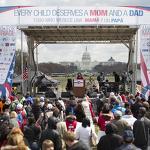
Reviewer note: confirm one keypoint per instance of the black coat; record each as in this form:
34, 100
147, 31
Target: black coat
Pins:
141, 129
36, 110
52, 135
78, 146
110, 142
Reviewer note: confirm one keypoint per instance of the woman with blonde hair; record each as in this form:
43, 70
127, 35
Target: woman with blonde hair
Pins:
16, 138
13, 119
47, 145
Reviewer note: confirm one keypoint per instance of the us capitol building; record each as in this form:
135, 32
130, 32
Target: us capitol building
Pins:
86, 63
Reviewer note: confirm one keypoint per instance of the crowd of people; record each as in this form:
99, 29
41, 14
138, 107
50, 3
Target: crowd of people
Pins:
119, 122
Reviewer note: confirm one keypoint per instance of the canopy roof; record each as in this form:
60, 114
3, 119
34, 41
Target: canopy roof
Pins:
79, 34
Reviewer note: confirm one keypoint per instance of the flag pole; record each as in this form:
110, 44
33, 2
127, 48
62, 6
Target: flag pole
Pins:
22, 81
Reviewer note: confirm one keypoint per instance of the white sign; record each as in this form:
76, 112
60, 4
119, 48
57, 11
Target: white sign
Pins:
78, 83
21, 15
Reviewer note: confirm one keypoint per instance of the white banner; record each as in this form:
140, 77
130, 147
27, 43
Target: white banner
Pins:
7, 58
145, 59
21, 15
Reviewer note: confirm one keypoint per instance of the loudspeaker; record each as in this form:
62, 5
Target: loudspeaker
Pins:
50, 94
65, 94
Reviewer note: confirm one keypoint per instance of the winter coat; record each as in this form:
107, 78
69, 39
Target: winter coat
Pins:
36, 110
109, 142
51, 134
140, 130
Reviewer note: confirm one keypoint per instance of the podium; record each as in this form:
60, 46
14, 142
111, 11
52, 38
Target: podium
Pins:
79, 88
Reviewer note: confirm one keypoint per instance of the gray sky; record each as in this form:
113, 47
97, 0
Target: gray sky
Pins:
63, 52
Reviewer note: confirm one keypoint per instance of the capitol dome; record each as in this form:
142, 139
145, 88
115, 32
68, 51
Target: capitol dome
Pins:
86, 56
86, 60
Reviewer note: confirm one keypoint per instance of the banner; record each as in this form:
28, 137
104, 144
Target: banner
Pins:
7, 58
57, 16
145, 59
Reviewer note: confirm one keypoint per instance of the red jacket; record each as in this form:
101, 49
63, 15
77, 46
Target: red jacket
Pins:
71, 125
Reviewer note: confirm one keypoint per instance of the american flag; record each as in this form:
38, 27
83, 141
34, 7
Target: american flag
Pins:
145, 61
25, 72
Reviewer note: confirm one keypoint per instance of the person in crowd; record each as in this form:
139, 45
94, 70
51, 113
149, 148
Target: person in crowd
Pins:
117, 106
111, 140
61, 106
69, 86
32, 133
80, 114
27, 106
51, 134
128, 139
62, 129
79, 76
29, 99
88, 109
16, 138
116, 77
141, 129
71, 108
120, 123
71, 123
5, 128
72, 143
84, 132
62, 103
6, 106
47, 145
99, 102
13, 119
42, 102
117, 80
101, 80
14, 104
135, 107
129, 118
36, 108
21, 116
131, 99
147, 107
1, 105
123, 97
105, 117
112, 98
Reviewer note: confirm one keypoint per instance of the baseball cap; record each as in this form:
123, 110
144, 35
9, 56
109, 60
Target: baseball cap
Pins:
118, 113
42, 99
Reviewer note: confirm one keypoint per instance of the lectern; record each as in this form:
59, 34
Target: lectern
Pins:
79, 88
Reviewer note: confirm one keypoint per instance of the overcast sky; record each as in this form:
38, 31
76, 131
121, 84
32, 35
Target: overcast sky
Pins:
63, 52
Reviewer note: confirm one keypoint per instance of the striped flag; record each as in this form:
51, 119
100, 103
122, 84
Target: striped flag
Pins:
25, 72
145, 59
